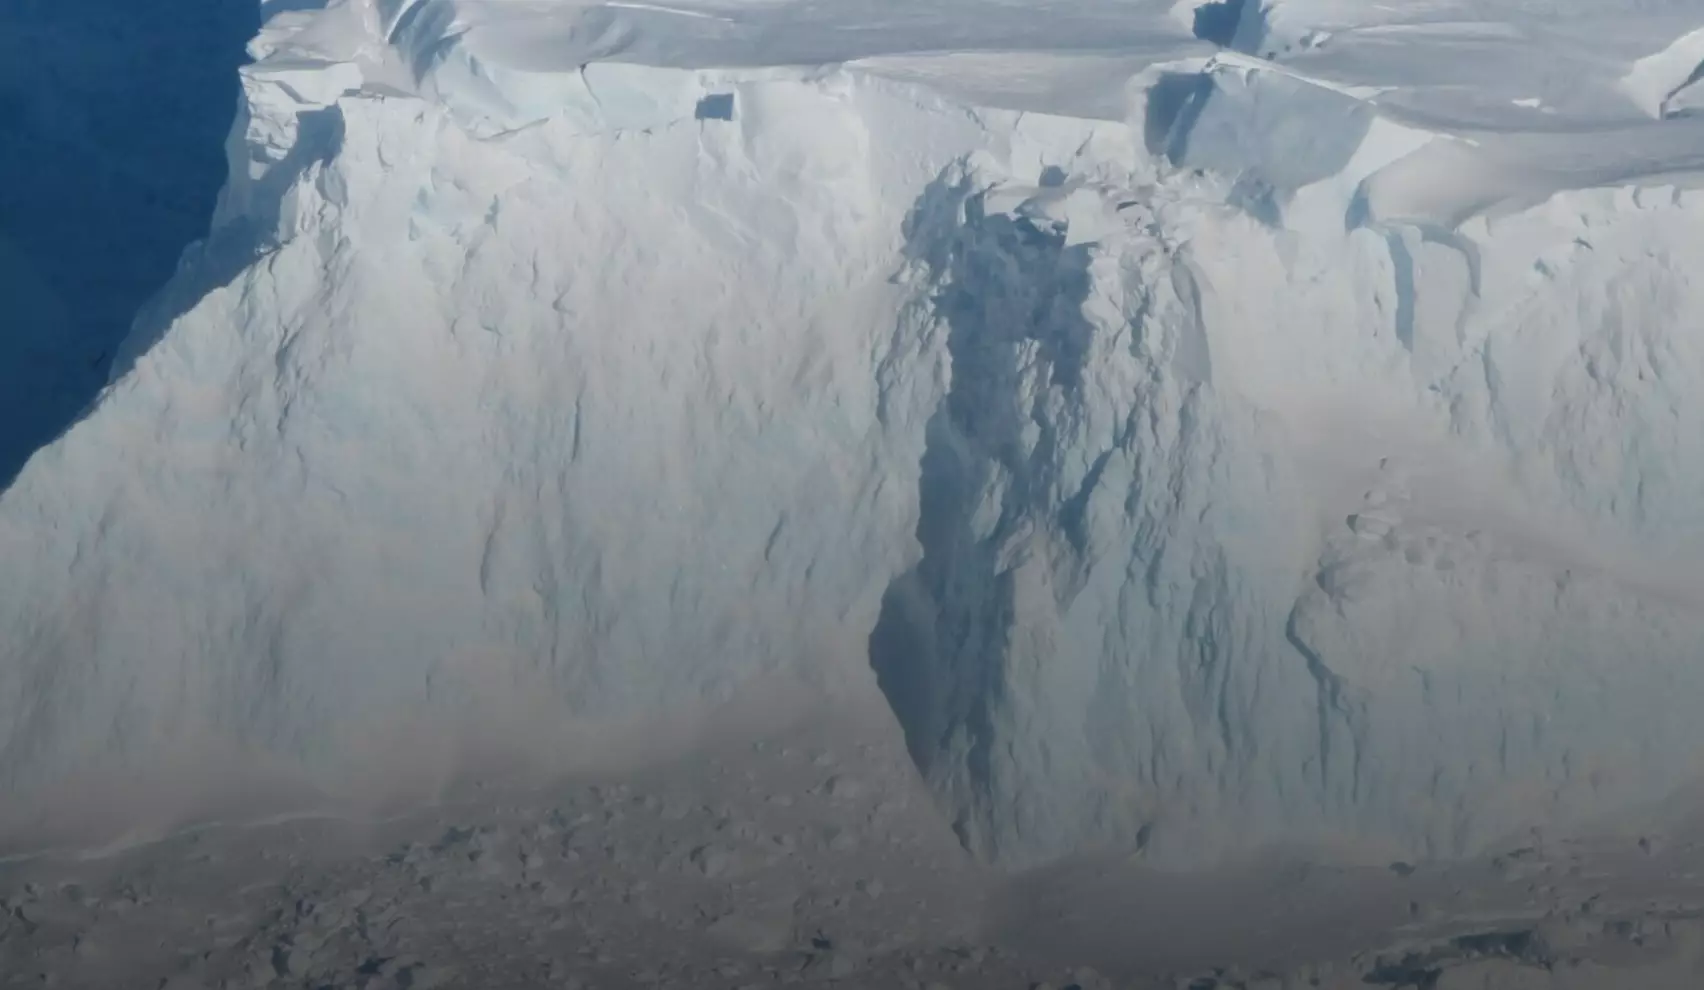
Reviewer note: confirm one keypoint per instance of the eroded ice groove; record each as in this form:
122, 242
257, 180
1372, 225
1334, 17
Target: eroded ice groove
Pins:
1225, 449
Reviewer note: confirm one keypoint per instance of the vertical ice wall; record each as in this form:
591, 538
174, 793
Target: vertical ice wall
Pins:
452, 439
1261, 470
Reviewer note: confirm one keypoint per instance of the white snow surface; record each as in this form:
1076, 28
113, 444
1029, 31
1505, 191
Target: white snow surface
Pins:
1210, 448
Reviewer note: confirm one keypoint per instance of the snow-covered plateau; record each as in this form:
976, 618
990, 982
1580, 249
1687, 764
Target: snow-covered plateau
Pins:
1217, 426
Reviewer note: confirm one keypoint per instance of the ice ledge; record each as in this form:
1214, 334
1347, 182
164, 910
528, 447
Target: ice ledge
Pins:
1299, 148
309, 60
1311, 155
1308, 152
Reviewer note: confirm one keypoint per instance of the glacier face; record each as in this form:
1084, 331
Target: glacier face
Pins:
482, 437
1263, 538
1206, 450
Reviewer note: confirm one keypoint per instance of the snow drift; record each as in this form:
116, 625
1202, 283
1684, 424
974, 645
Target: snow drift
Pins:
1207, 449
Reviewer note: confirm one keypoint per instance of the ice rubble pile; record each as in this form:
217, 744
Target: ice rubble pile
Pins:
1271, 458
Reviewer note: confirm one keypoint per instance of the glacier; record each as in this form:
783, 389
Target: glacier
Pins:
1216, 426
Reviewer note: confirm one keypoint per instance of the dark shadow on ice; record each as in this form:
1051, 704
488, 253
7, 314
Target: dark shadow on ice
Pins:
1216, 22
716, 106
1011, 301
1173, 103
113, 118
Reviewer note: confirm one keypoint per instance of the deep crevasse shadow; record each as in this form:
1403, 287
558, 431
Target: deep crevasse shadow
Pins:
113, 119
939, 645
1216, 21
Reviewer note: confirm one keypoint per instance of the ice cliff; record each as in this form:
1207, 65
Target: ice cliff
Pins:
1210, 441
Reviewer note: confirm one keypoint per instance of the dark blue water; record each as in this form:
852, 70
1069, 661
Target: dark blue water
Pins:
113, 117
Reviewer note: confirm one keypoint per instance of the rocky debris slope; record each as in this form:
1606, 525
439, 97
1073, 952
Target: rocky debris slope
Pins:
812, 859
